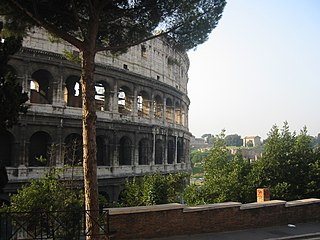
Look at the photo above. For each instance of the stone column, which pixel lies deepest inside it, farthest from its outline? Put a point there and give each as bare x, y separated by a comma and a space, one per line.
165, 159
153, 160
151, 112
164, 111
114, 102
175, 150
135, 106
135, 150
115, 161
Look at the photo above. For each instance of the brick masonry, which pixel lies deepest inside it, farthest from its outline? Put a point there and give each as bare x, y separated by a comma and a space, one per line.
177, 219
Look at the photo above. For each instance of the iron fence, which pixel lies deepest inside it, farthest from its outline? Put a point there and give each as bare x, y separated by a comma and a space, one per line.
64, 225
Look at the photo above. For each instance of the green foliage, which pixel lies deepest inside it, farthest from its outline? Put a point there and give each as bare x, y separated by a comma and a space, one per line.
209, 138
227, 178
11, 97
286, 164
233, 140
196, 170
49, 201
70, 56
153, 189
119, 24
289, 167
46, 194
198, 156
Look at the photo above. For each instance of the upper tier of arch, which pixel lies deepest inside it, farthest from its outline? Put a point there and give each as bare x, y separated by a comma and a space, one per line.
153, 59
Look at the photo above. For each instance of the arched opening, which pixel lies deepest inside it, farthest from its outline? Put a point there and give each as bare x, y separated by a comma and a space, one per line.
72, 92
102, 96
170, 151
180, 150
125, 100
103, 151
144, 152
104, 199
143, 104
73, 152
169, 110
158, 107
125, 150
38, 149
41, 87
6, 148
159, 152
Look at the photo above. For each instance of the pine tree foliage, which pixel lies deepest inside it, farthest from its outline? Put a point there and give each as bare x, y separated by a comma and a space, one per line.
113, 26
12, 98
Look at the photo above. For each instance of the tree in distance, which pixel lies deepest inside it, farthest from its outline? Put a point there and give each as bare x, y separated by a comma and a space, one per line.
289, 167
113, 26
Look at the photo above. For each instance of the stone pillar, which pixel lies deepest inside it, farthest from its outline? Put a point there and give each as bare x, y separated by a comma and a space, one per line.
135, 103
153, 160
135, 150
114, 107
164, 111
263, 194
151, 112
115, 150
176, 150
165, 159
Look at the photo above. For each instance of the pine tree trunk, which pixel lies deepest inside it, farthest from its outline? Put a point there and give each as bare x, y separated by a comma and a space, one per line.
89, 144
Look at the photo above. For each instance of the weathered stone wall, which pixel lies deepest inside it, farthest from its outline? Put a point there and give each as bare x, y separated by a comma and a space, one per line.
133, 139
159, 60
177, 219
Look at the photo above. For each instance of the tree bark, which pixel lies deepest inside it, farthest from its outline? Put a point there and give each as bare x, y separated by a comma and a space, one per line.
89, 144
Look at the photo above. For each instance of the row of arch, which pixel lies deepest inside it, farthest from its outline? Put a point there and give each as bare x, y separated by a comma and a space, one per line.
42, 151
122, 99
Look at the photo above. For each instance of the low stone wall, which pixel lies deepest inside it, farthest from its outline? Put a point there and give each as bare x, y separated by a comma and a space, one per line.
177, 219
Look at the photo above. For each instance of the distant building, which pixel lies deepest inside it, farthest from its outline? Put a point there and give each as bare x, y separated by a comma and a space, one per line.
251, 141
198, 143
251, 154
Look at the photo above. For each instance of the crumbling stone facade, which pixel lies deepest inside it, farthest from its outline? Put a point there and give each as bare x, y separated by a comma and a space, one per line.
142, 114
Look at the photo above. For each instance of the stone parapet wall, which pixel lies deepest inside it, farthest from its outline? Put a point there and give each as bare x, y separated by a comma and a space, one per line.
177, 219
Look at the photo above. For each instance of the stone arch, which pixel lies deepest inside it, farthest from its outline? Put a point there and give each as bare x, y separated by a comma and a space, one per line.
171, 150
6, 148
169, 110
180, 150
145, 152
125, 151
103, 151
102, 96
159, 153
38, 149
125, 100
158, 107
73, 150
143, 104
73, 92
106, 196
41, 87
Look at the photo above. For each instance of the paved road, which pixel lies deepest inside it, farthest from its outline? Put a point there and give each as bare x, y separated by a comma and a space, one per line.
309, 231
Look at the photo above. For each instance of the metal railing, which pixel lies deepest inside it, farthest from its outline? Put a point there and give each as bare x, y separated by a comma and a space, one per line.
64, 225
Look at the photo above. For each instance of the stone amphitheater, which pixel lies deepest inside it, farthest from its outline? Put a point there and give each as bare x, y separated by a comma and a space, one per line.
142, 114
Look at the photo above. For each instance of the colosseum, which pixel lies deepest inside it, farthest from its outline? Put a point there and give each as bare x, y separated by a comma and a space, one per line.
142, 114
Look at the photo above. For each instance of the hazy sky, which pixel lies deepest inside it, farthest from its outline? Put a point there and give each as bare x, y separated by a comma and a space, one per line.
260, 67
